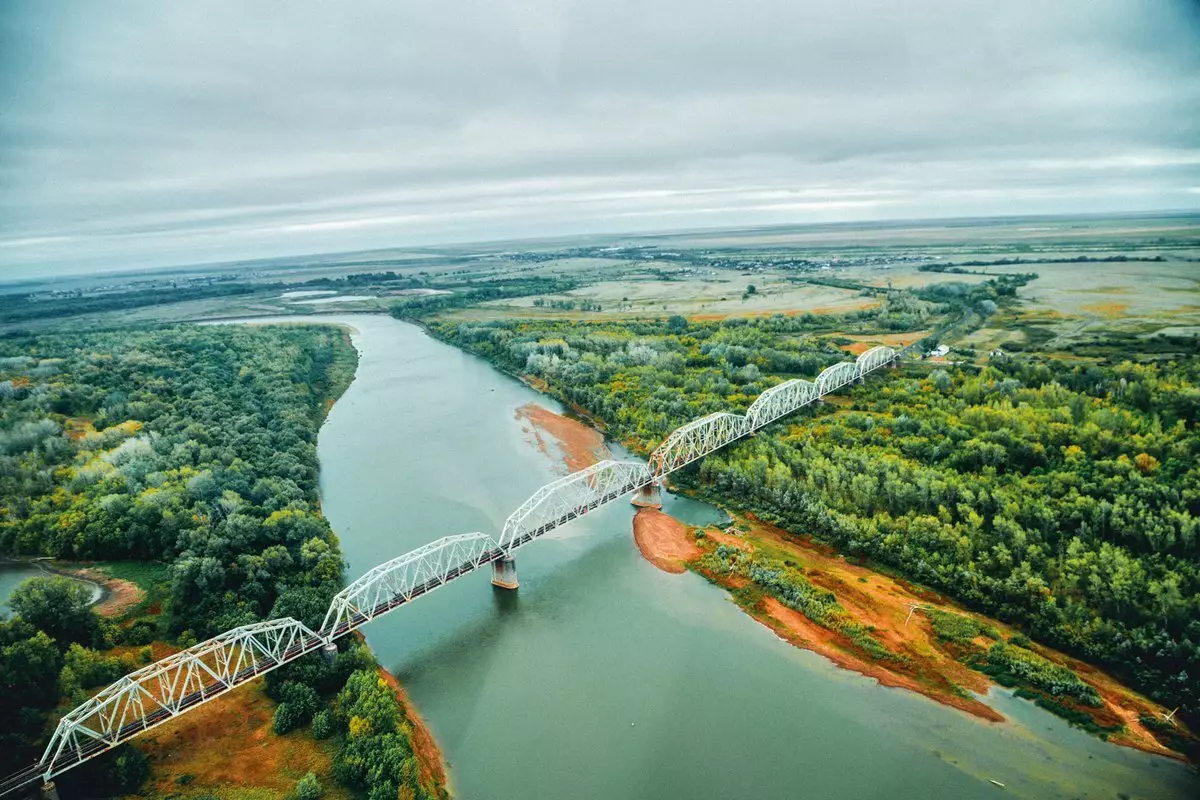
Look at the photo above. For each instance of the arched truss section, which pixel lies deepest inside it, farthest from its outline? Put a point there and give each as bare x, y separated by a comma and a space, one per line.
167, 688
572, 496
875, 358
837, 376
696, 439
779, 401
406, 578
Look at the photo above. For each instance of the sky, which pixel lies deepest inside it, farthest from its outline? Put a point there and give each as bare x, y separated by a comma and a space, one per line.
144, 134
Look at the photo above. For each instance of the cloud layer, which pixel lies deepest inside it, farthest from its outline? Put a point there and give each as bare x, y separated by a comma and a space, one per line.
134, 134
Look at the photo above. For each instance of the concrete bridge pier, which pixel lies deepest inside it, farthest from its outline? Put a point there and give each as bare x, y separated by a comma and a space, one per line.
504, 573
329, 652
649, 496
49, 791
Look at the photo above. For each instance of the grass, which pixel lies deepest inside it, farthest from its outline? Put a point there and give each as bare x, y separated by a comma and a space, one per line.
226, 749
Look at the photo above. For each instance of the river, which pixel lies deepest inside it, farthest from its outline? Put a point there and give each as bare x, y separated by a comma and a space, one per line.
602, 677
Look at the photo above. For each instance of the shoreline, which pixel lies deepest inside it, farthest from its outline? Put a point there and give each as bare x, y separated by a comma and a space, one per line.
431, 761
883, 605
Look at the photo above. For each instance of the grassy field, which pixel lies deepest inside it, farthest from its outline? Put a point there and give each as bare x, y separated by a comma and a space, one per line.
714, 296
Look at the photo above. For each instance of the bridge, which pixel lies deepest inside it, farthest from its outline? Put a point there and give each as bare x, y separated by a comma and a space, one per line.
161, 691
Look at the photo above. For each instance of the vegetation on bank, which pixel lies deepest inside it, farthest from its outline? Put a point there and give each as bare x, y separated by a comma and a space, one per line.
1061, 495
788, 585
191, 450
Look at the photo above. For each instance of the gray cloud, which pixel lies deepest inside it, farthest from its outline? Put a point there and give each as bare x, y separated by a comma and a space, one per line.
134, 134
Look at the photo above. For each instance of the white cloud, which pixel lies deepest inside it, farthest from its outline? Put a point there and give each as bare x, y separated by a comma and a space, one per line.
199, 132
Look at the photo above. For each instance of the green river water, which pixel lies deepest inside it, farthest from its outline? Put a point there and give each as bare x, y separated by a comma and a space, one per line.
602, 677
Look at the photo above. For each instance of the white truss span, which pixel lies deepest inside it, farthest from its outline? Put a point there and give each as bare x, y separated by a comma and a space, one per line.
833, 378
406, 578
570, 497
695, 440
167, 688
875, 358
779, 401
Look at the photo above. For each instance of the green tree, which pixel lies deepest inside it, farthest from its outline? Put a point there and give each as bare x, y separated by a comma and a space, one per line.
59, 606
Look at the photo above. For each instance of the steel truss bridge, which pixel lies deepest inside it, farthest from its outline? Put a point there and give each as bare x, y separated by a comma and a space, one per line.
168, 688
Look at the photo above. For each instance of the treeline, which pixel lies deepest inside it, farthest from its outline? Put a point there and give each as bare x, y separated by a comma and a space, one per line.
955, 266
1061, 496
472, 292
23, 308
190, 446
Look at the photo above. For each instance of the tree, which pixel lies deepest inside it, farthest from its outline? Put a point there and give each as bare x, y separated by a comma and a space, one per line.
59, 606
308, 788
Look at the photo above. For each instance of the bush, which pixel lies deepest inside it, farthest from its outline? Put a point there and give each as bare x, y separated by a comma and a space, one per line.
957, 628
298, 704
308, 788
1014, 665
287, 718
322, 724
140, 633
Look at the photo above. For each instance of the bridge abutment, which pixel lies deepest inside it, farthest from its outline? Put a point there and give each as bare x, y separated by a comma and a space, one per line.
504, 573
649, 496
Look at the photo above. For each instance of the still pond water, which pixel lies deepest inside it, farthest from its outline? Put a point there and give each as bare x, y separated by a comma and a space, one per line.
603, 677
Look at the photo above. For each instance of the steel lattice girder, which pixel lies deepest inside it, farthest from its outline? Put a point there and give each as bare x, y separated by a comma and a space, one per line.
695, 440
874, 358
779, 401
837, 376
571, 496
395, 582
166, 688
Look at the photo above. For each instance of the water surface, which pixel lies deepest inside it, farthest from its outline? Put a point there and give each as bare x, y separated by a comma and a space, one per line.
603, 677
11, 576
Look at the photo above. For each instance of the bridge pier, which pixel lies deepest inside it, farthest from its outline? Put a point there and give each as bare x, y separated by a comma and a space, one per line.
329, 652
49, 791
504, 573
649, 496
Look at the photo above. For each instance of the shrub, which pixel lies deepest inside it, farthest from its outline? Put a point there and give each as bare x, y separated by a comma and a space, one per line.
308, 788
322, 724
1012, 665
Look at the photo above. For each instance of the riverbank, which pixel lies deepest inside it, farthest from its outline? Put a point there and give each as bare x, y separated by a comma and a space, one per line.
431, 763
898, 616
576, 443
664, 541
117, 595
111, 597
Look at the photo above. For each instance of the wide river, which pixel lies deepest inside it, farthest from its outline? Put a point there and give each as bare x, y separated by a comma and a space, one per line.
602, 677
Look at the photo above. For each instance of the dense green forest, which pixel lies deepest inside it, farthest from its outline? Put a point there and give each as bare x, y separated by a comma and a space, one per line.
1060, 494
191, 447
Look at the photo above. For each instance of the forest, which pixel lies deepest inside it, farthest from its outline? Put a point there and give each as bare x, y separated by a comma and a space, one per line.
1059, 494
190, 447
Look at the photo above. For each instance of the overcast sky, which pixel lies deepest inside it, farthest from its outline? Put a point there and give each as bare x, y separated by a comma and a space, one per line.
136, 134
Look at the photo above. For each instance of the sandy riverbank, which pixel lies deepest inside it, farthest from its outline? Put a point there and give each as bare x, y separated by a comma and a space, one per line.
115, 596
119, 595
884, 605
578, 444
664, 541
